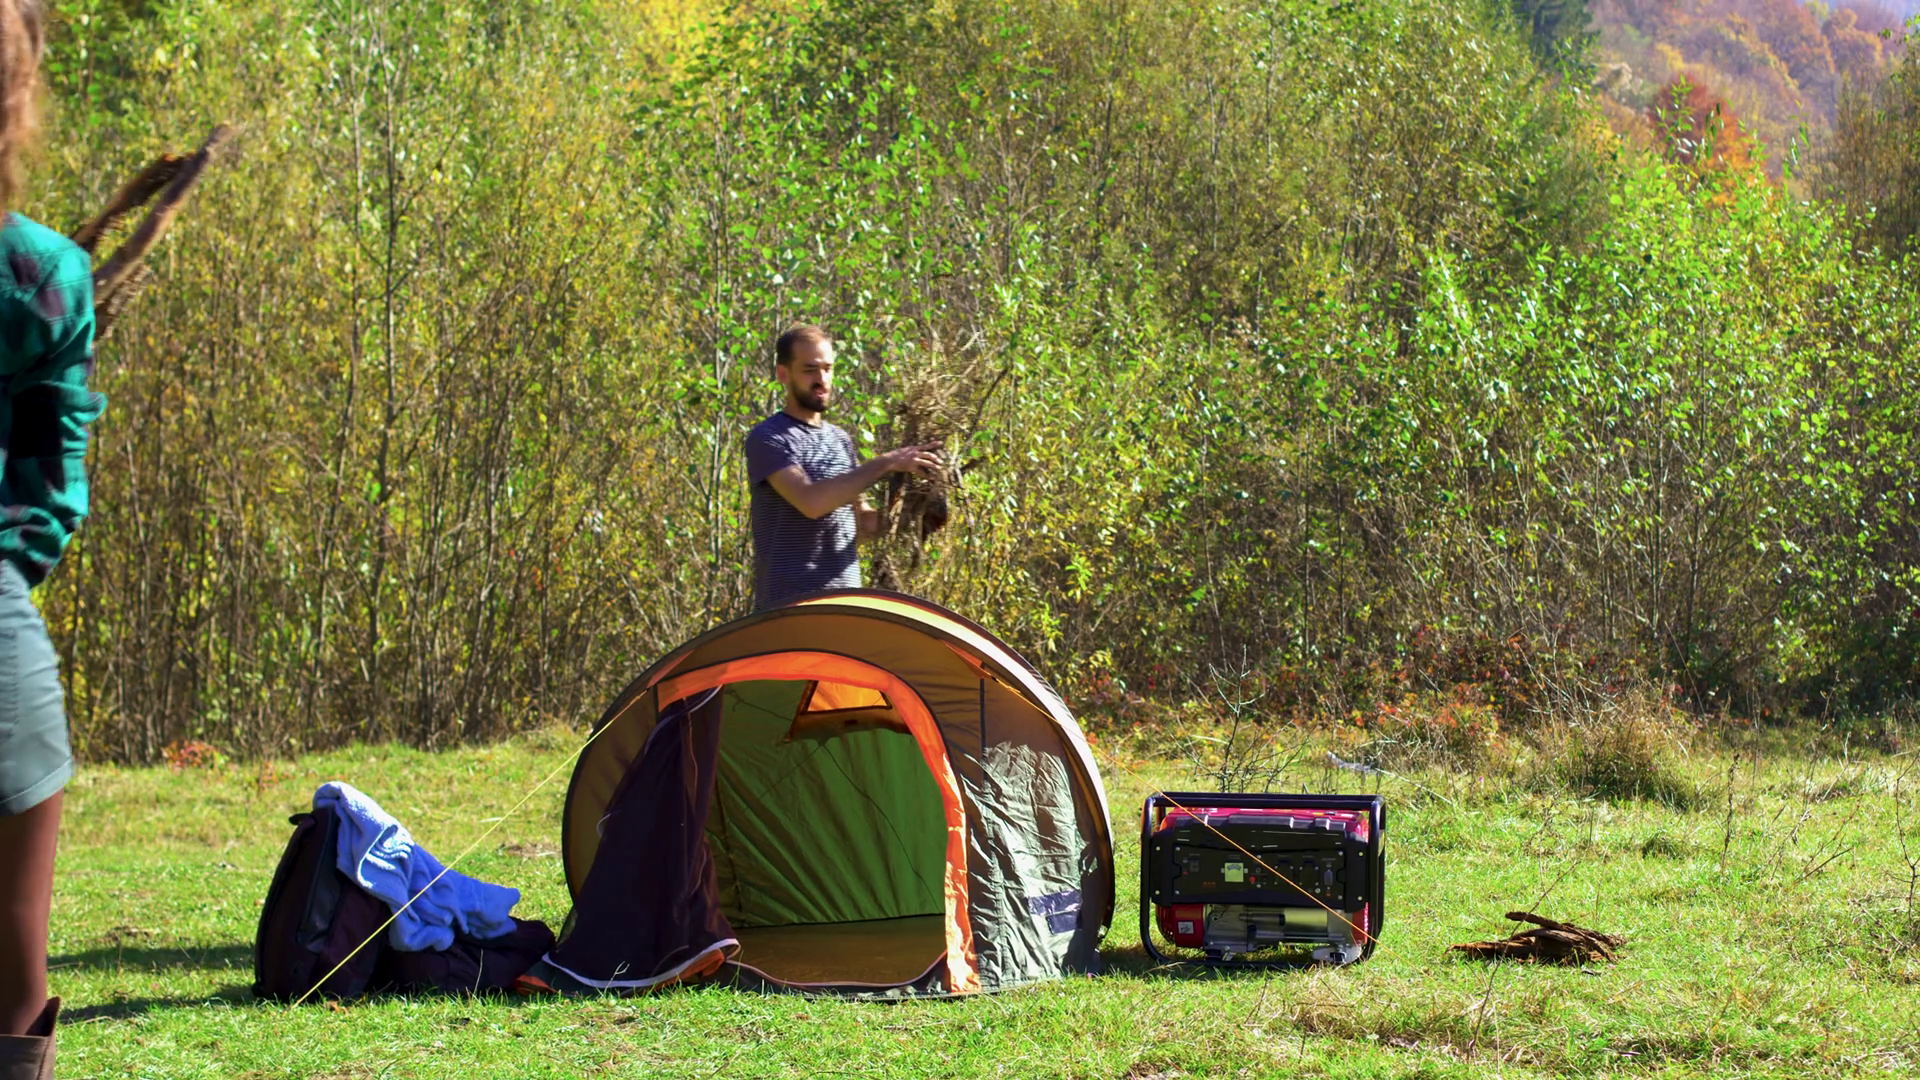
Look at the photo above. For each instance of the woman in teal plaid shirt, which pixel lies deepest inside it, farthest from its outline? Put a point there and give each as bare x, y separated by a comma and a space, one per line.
46, 356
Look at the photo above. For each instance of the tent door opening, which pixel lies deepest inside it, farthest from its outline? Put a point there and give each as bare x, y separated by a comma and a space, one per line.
828, 836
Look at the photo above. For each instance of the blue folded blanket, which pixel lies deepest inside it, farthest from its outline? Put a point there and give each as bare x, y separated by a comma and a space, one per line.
380, 856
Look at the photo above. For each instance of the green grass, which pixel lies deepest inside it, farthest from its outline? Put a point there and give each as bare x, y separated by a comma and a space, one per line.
1778, 940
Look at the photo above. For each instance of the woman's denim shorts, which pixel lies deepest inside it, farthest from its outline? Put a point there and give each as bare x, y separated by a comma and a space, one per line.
35, 758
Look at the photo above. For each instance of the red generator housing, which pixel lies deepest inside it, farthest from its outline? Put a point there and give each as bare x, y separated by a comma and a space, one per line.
1254, 879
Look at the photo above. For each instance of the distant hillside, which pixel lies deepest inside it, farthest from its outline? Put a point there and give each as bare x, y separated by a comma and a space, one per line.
1777, 68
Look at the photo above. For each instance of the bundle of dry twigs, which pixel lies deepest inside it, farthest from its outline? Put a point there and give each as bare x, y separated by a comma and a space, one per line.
939, 402
1549, 942
120, 277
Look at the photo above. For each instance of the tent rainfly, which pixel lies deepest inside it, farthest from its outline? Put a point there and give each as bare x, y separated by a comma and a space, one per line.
857, 793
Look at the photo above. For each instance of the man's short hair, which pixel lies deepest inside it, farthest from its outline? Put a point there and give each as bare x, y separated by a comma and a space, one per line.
794, 335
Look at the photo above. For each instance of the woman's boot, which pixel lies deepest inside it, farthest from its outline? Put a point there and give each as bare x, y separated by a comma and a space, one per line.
30, 1057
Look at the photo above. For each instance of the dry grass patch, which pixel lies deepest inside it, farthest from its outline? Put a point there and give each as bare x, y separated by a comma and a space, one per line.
1629, 748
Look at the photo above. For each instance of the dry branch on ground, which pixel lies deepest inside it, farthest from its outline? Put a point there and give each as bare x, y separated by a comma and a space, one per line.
1549, 942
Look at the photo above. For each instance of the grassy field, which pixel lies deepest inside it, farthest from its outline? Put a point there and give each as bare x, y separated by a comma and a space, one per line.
1767, 899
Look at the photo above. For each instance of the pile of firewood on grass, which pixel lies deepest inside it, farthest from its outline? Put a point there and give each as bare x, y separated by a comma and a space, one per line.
1549, 942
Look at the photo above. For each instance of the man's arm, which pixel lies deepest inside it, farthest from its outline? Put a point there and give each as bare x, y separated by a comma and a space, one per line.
818, 498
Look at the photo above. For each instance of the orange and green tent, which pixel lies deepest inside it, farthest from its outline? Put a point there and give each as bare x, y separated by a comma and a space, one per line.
857, 792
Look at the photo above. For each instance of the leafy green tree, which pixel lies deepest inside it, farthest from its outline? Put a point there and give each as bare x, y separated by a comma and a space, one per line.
1335, 338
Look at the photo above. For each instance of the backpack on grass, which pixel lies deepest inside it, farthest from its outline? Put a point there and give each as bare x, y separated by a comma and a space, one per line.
316, 919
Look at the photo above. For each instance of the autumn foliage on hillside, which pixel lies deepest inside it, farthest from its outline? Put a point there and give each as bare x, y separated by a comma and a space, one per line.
1873, 163
1781, 65
1693, 125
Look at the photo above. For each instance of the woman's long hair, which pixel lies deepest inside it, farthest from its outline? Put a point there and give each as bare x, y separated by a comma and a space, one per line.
22, 37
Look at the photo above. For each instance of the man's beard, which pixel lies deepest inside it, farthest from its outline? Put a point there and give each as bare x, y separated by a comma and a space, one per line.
813, 402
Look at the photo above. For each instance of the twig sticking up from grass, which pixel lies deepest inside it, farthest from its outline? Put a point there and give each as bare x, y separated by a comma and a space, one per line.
1907, 856
1249, 753
1726, 833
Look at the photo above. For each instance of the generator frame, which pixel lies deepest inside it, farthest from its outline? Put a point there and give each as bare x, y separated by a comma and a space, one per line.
1160, 802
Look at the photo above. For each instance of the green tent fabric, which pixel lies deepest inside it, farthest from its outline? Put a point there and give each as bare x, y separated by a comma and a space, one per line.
793, 820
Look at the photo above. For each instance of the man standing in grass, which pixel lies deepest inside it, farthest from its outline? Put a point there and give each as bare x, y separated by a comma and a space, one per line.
806, 480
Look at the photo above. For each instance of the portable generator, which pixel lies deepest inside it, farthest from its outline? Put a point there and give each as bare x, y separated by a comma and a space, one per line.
1248, 879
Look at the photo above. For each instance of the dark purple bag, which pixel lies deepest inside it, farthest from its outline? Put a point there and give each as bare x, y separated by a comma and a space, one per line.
314, 918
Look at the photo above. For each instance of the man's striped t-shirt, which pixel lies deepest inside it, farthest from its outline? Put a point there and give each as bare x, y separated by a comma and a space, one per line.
794, 554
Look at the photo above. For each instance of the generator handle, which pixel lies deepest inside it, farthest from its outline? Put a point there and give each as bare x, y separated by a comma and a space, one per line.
1148, 819
1160, 802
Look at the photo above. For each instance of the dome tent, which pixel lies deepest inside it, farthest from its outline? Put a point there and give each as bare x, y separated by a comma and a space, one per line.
857, 792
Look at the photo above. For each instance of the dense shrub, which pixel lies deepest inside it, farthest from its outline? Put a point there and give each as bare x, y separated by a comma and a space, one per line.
1629, 751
